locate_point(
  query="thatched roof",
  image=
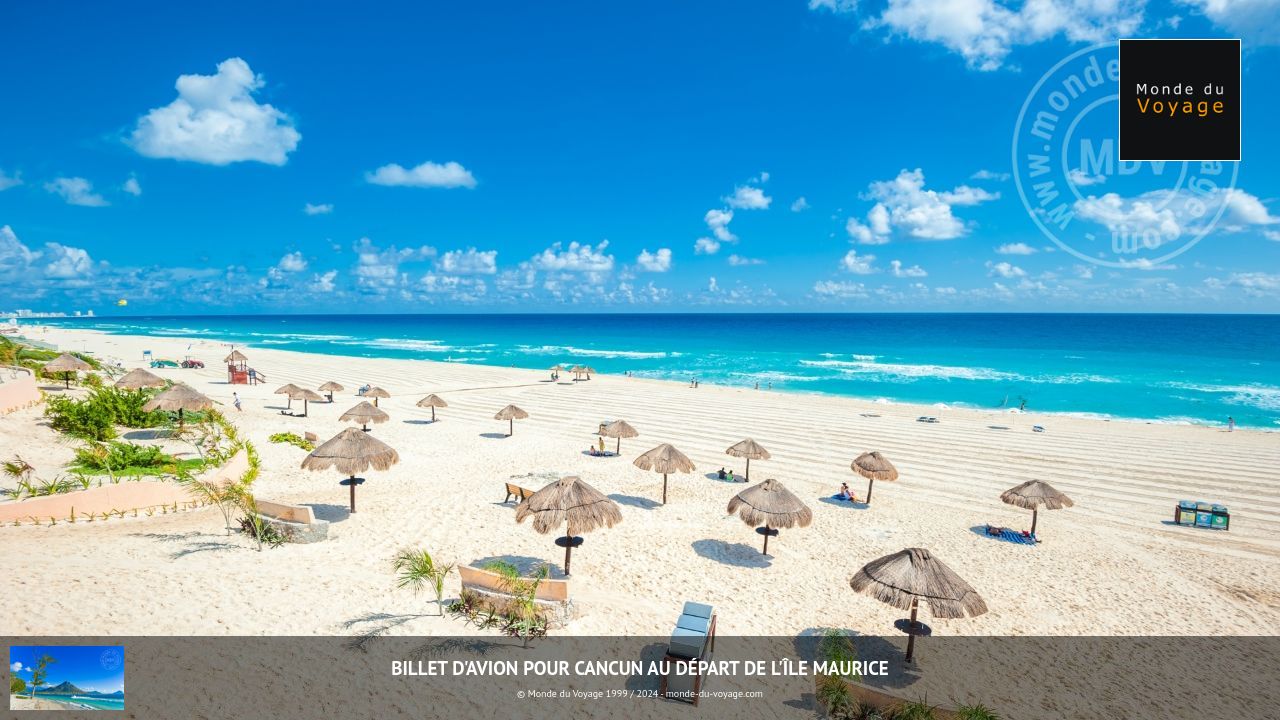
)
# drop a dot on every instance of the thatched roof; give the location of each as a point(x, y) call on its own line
point(138, 378)
point(557, 368)
point(569, 501)
point(365, 413)
point(178, 397)
point(511, 412)
point(772, 505)
point(351, 452)
point(914, 573)
point(377, 392)
point(874, 466)
point(432, 400)
point(1034, 494)
point(619, 429)
point(588, 369)
point(287, 389)
point(332, 386)
point(306, 394)
point(235, 356)
point(748, 449)
point(66, 362)
point(665, 459)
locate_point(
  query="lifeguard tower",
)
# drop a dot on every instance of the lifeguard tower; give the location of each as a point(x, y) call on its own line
point(237, 368)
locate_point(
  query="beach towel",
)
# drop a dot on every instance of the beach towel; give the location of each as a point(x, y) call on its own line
point(1013, 536)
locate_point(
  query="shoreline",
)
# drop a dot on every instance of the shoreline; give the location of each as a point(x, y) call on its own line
point(924, 408)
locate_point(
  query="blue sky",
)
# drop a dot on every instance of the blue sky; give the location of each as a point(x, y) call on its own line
point(84, 666)
point(823, 155)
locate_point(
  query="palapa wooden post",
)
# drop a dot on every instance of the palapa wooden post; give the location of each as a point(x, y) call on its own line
point(911, 628)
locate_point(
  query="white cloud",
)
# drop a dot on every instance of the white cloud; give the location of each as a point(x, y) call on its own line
point(1084, 272)
point(8, 181)
point(800, 204)
point(1252, 19)
point(740, 261)
point(469, 262)
point(840, 289)
point(66, 262)
point(915, 271)
point(1015, 249)
point(76, 191)
point(460, 289)
point(905, 205)
point(658, 261)
point(745, 197)
point(292, 262)
point(706, 246)
point(324, 282)
point(15, 667)
point(428, 174)
point(1005, 270)
point(984, 31)
point(835, 6)
point(321, 209)
point(216, 120)
point(378, 270)
point(576, 258)
point(985, 174)
point(712, 286)
point(1121, 215)
point(1256, 283)
point(858, 264)
point(1080, 178)
point(14, 255)
point(718, 221)
point(132, 187)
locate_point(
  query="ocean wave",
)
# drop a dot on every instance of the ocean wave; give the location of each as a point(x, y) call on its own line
point(1262, 397)
point(430, 346)
point(778, 377)
point(907, 372)
point(301, 336)
point(591, 352)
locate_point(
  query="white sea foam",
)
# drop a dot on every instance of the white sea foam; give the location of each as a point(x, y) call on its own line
point(592, 352)
point(1262, 397)
point(907, 372)
point(778, 377)
point(431, 346)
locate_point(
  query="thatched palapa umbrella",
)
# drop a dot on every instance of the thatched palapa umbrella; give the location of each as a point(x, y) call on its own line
point(587, 370)
point(873, 466)
point(331, 387)
point(751, 450)
point(351, 452)
point(619, 429)
point(69, 365)
point(511, 413)
point(138, 378)
point(770, 506)
point(288, 390)
point(573, 503)
point(666, 460)
point(908, 576)
point(433, 401)
point(180, 397)
point(235, 357)
point(1033, 494)
point(364, 413)
point(306, 395)
point(375, 393)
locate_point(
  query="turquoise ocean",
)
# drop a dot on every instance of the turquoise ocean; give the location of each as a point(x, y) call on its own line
point(1165, 368)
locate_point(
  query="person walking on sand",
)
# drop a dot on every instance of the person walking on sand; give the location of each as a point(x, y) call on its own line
point(236, 398)
point(1231, 424)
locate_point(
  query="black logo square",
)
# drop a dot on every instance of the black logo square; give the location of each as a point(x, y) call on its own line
point(1180, 100)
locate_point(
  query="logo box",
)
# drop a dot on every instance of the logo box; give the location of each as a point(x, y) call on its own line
point(1180, 100)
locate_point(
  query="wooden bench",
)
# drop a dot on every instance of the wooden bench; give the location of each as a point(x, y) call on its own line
point(515, 491)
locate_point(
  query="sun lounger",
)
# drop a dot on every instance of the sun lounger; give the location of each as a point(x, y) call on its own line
point(694, 638)
point(517, 492)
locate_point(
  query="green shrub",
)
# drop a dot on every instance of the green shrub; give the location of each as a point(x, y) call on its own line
point(17, 685)
point(120, 455)
point(977, 712)
point(915, 710)
point(96, 416)
point(293, 439)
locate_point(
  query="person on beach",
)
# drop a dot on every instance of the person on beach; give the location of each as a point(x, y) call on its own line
point(1231, 424)
point(236, 398)
point(731, 476)
point(844, 493)
point(602, 452)
point(721, 473)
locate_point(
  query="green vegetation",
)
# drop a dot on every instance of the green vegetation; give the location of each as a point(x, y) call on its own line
point(417, 569)
point(293, 439)
point(16, 685)
point(977, 712)
point(116, 456)
point(96, 416)
point(520, 618)
point(40, 672)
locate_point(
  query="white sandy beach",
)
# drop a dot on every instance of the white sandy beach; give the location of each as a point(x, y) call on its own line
point(1112, 565)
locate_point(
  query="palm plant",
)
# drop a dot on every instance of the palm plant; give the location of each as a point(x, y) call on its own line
point(977, 711)
point(417, 569)
point(526, 622)
point(225, 497)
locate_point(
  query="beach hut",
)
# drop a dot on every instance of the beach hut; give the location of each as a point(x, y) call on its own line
point(570, 502)
point(769, 506)
point(511, 413)
point(375, 393)
point(68, 365)
point(288, 390)
point(138, 378)
point(905, 577)
point(618, 429)
point(433, 401)
point(1033, 495)
point(665, 459)
point(179, 397)
point(237, 368)
point(351, 452)
point(364, 413)
point(873, 466)
point(306, 395)
point(751, 450)
point(331, 387)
